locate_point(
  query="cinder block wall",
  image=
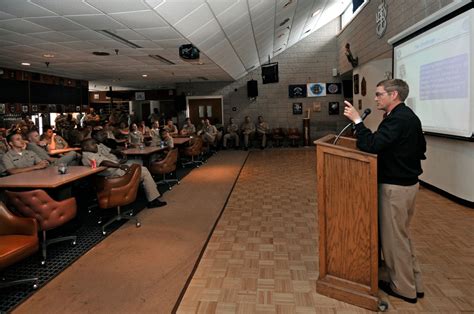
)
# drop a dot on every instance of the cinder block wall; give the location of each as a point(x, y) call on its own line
point(361, 35)
point(310, 60)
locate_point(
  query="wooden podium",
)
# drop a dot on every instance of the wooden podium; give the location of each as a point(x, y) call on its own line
point(348, 235)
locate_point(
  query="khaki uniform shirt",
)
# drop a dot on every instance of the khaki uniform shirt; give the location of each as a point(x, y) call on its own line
point(248, 128)
point(232, 128)
point(262, 128)
point(135, 137)
point(38, 150)
point(26, 158)
point(189, 128)
point(99, 157)
point(155, 137)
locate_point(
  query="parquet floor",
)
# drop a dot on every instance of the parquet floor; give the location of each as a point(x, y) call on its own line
point(263, 256)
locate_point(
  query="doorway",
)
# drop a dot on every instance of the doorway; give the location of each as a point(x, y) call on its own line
point(201, 107)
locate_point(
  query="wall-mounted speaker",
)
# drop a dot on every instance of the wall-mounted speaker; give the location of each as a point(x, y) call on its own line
point(252, 89)
point(270, 73)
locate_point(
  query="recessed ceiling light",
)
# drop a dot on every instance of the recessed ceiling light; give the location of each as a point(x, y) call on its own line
point(48, 55)
point(144, 75)
point(316, 13)
point(101, 53)
point(26, 63)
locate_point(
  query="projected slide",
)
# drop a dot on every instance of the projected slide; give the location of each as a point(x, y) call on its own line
point(437, 66)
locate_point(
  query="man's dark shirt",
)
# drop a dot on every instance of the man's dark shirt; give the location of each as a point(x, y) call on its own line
point(399, 143)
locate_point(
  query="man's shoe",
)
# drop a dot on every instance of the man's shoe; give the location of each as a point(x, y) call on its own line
point(156, 203)
point(385, 287)
point(420, 295)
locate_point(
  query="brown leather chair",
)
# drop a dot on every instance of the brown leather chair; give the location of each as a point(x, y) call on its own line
point(48, 213)
point(193, 151)
point(18, 240)
point(117, 192)
point(294, 136)
point(278, 135)
point(166, 166)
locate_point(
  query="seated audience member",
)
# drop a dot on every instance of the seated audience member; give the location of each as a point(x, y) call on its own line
point(90, 151)
point(109, 130)
point(155, 134)
point(171, 128)
point(53, 140)
point(208, 132)
point(262, 131)
point(144, 129)
point(3, 150)
point(248, 129)
point(166, 139)
point(188, 128)
point(232, 133)
point(18, 159)
point(102, 140)
point(39, 148)
point(92, 118)
point(122, 131)
point(135, 137)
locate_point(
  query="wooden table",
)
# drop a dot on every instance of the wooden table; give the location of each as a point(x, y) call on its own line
point(47, 178)
point(181, 140)
point(63, 150)
point(144, 153)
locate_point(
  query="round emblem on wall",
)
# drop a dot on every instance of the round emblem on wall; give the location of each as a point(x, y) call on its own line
point(381, 19)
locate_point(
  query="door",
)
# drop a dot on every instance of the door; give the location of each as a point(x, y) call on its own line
point(199, 108)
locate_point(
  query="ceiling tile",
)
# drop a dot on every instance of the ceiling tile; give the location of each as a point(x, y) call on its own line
point(6, 16)
point(140, 19)
point(23, 9)
point(67, 7)
point(110, 44)
point(114, 6)
point(159, 33)
point(96, 22)
point(175, 10)
point(22, 39)
point(56, 23)
point(194, 20)
point(22, 26)
point(171, 43)
point(80, 45)
point(54, 37)
point(86, 35)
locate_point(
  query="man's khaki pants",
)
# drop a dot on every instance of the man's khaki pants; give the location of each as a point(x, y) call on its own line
point(396, 209)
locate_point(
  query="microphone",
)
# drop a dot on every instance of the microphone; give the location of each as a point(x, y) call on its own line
point(364, 115)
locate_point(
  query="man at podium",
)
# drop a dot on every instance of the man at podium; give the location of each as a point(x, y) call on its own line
point(400, 145)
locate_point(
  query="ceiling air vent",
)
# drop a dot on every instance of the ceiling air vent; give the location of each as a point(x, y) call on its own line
point(284, 22)
point(162, 59)
point(101, 53)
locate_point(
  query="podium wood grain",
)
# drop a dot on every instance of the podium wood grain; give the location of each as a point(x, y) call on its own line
point(347, 205)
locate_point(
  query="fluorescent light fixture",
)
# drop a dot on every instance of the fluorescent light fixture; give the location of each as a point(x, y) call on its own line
point(48, 55)
point(316, 13)
point(26, 63)
point(144, 75)
point(118, 38)
point(161, 59)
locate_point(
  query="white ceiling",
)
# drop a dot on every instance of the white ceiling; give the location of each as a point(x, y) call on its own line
point(234, 37)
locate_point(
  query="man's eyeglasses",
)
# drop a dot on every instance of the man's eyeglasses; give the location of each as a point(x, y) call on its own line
point(378, 94)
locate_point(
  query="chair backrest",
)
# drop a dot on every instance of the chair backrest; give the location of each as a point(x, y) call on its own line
point(18, 237)
point(195, 148)
point(167, 165)
point(14, 225)
point(39, 205)
point(293, 132)
point(118, 191)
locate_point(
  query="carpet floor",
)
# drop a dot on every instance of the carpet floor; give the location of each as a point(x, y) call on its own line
point(145, 269)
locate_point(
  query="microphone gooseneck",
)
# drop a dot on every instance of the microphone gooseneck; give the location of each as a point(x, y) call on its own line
point(364, 115)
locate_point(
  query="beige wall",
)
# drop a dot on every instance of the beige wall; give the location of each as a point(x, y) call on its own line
point(450, 163)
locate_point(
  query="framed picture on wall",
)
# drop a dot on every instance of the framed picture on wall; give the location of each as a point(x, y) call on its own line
point(297, 108)
point(333, 108)
point(24, 108)
point(356, 84)
point(2, 108)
